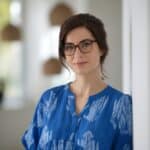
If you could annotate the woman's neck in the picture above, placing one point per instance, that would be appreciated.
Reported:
(87, 84)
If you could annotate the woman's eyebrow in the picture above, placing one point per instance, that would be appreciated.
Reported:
(69, 43)
(79, 41)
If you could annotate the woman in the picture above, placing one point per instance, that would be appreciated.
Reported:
(87, 113)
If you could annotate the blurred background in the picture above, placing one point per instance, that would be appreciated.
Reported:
(29, 63)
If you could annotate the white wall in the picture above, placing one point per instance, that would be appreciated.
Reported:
(136, 66)
(126, 46)
(34, 26)
(141, 72)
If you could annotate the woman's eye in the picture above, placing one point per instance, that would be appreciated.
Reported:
(85, 44)
(69, 47)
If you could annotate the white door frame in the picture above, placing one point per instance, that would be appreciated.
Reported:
(136, 66)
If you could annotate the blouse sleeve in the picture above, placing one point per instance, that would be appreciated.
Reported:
(31, 136)
(123, 116)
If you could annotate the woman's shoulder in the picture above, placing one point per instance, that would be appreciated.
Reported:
(121, 101)
(119, 94)
(53, 92)
(56, 89)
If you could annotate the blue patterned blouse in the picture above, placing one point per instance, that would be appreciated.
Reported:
(105, 123)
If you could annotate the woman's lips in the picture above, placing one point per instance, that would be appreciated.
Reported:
(80, 63)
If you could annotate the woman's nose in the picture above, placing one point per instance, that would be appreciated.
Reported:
(77, 52)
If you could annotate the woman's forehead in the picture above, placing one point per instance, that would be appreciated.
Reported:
(78, 34)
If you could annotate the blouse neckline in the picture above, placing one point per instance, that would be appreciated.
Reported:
(98, 94)
(89, 100)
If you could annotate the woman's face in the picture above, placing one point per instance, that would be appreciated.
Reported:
(89, 59)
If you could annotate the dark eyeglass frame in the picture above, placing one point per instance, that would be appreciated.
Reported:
(80, 46)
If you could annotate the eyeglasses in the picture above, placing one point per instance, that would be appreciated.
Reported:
(84, 47)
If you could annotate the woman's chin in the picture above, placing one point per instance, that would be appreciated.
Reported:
(81, 71)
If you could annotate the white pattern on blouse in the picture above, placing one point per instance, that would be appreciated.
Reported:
(50, 105)
(29, 136)
(39, 117)
(96, 108)
(87, 141)
(69, 104)
(126, 147)
(46, 136)
(122, 115)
